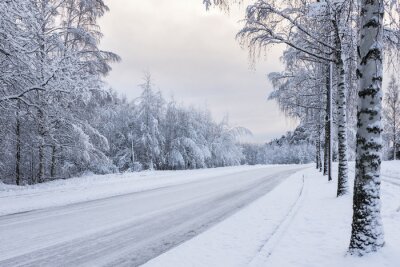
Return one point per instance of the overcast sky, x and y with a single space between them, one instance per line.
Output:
193 56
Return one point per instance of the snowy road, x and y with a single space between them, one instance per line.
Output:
130 229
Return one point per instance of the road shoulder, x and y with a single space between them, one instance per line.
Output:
237 240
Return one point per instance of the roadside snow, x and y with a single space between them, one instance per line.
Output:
14 199
391 169
235 241
320 234
282 229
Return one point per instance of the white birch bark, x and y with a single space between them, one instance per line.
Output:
367 230
342 131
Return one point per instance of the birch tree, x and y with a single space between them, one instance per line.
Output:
367 230
391 113
293 23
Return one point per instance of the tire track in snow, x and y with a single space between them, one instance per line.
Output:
274 238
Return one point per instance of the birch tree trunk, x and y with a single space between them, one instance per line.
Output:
318 145
41 58
41 132
33 174
394 137
53 161
367 230
318 150
328 127
342 188
326 144
18 146
343 178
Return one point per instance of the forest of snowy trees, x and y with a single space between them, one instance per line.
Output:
152 133
58 120
295 147
51 69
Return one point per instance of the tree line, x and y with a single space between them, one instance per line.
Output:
152 133
295 147
58 120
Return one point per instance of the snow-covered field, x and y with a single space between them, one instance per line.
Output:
296 225
197 218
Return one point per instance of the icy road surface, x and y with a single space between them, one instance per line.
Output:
130 229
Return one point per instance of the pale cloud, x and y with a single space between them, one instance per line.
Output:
192 55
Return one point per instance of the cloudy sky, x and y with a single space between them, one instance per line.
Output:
193 56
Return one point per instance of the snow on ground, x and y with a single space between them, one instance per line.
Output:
235 241
320 234
293 226
300 223
391 169
14 199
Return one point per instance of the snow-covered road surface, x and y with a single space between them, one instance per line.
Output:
130 229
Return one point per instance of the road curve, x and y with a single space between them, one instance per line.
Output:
131 229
